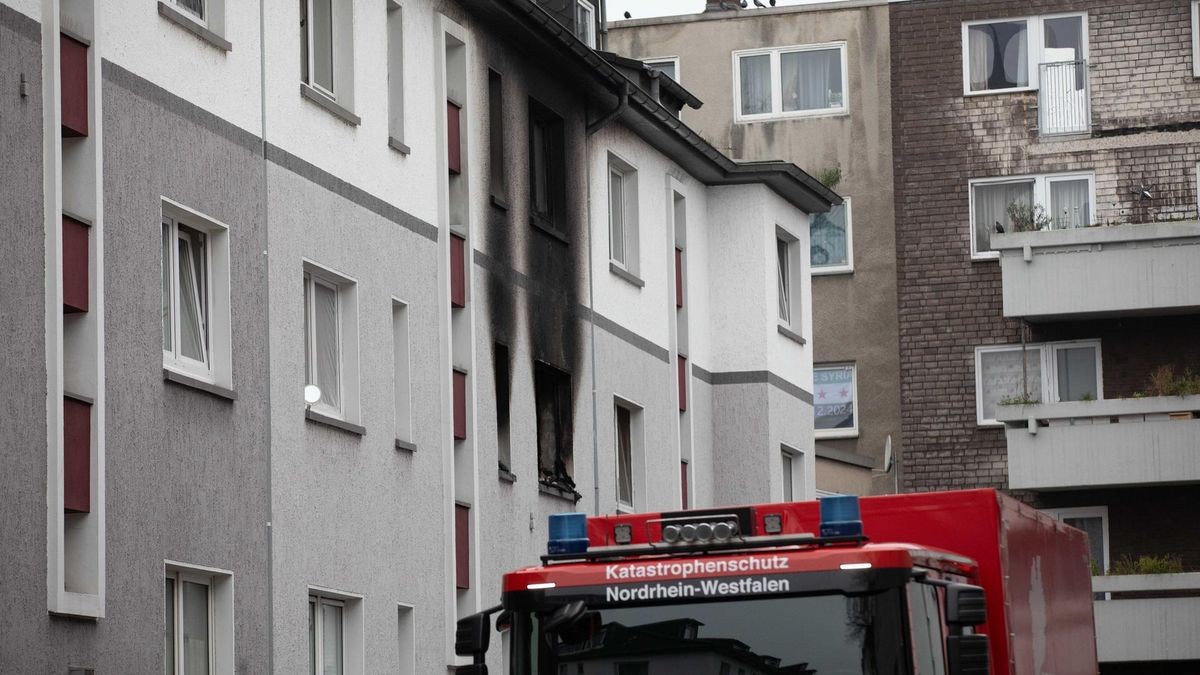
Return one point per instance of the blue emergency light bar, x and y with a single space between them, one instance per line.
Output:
568 533
840 516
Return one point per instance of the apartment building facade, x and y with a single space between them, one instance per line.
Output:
1047 250
320 325
812 84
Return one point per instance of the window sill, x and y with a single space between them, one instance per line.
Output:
500 203
397 145
183 20
977 258
791 117
626 274
993 92
506 475
559 493
791 335
196 383
335 423
406 446
546 229
834 435
831 271
329 105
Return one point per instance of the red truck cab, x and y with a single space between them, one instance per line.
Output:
925 584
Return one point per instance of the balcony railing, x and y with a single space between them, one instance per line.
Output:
1064 99
1148 617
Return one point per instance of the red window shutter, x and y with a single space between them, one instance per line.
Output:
683 482
73 64
460 405
462 546
77 456
454 136
682 383
74 265
679 277
458 271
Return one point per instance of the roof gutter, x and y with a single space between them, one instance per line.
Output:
622 106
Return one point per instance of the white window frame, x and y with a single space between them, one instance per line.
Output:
589 38
342 53
636 453
674 61
793 285
402 370
1034 49
220 614
1100 512
348 338
395 70
1041 195
406 627
630 239
841 433
776 83
1195 38
217 368
848 267
1048 361
353 629
793 478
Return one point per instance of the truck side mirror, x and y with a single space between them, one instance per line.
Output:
472 637
967 655
965 605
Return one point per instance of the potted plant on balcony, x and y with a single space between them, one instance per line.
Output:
1028 217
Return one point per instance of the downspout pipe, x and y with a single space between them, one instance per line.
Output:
622 106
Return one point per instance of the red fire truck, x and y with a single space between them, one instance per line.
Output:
950 583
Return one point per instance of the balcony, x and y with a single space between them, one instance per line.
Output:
1064 99
1139 624
1118 270
1116 442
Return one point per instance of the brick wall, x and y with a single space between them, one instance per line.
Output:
949 304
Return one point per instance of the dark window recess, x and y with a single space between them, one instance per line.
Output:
682 383
460 405
496 134
458 271
683 482
74 265
77 456
73 64
547 168
502 374
552 394
462 546
679 278
454 137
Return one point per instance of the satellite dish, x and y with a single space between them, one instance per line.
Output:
887 455
312 394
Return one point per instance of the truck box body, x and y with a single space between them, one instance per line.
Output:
1034 569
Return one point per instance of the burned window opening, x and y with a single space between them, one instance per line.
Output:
552 393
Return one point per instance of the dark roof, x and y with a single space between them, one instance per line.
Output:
645 73
531 29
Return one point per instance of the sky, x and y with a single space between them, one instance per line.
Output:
641 9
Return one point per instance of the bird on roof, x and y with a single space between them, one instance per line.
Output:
628 15
999 228
758 3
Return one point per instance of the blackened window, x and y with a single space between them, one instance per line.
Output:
547 166
552 394
503 377
496 134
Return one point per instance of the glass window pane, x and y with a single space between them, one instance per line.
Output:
785 281
998 55
1063 39
812 80
322 43
1002 376
193 294
1094 527
833 397
991 204
167 290
585 24
169 632
925 623
195 627
828 234
328 358
616 215
331 639
755 75
312 637
1070 203
1076 373
194 6
624 457
308 375
665 67
787 478
539 163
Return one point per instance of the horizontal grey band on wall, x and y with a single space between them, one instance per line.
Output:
513 277
760 377
20 24
190 112
852 458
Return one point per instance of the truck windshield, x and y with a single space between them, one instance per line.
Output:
810 635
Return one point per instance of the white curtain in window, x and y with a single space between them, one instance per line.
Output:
331 639
991 207
168 290
755 74
616 215
828 233
1076 370
812 80
195 628
624 457
1094 527
1002 376
193 295
998 56
327 357
1070 204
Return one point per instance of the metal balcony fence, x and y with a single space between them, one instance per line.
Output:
1064 99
